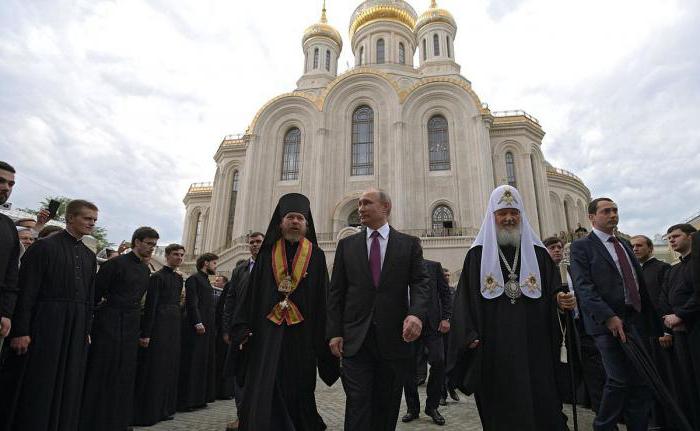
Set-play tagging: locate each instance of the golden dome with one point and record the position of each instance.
(435, 14)
(323, 29)
(389, 10)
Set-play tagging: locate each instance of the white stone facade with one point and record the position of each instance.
(403, 99)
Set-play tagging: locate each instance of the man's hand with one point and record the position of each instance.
(5, 326)
(671, 321)
(88, 339)
(444, 326)
(566, 301)
(199, 327)
(20, 344)
(144, 342)
(474, 344)
(42, 217)
(122, 247)
(336, 345)
(615, 326)
(412, 327)
(666, 341)
(227, 339)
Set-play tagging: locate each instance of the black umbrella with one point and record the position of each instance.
(638, 355)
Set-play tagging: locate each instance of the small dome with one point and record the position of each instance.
(389, 10)
(435, 14)
(323, 29)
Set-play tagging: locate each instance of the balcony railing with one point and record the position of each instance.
(515, 113)
(200, 187)
(563, 172)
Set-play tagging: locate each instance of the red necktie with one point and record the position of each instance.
(627, 275)
(375, 258)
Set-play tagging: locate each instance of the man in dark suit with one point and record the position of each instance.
(377, 273)
(615, 305)
(437, 323)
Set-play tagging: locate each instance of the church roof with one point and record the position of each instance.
(435, 14)
(323, 29)
(388, 10)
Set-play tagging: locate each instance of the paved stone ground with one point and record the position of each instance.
(331, 402)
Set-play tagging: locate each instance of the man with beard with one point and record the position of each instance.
(681, 313)
(281, 322)
(503, 346)
(198, 368)
(159, 356)
(108, 400)
(9, 254)
(50, 329)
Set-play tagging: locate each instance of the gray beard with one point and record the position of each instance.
(508, 237)
(293, 237)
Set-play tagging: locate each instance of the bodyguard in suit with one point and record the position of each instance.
(370, 318)
(615, 305)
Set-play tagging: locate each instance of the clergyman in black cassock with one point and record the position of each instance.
(224, 383)
(284, 309)
(108, 400)
(159, 355)
(9, 262)
(197, 385)
(53, 315)
(502, 344)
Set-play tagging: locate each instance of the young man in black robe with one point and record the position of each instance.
(49, 339)
(9, 254)
(224, 383)
(198, 368)
(281, 320)
(159, 356)
(681, 313)
(502, 346)
(108, 400)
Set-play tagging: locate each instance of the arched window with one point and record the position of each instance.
(449, 53)
(306, 61)
(510, 169)
(316, 58)
(425, 50)
(354, 219)
(402, 53)
(232, 208)
(380, 51)
(438, 143)
(290, 154)
(436, 45)
(328, 60)
(197, 240)
(361, 57)
(362, 141)
(443, 220)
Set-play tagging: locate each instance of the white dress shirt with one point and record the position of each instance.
(383, 239)
(611, 249)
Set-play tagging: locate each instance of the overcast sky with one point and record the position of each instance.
(125, 102)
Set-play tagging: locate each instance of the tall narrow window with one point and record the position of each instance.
(306, 61)
(363, 141)
(436, 45)
(232, 208)
(290, 154)
(438, 143)
(197, 240)
(328, 60)
(443, 220)
(425, 50)
(402, 53)
(316, 58)
(449, 51)
(510, 169)
(380, 51)
(361, 57)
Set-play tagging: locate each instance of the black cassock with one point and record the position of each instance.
(280, 378)
(198, 367)
(512, 372)
(159, 363)
(108, 400)
(42, 389)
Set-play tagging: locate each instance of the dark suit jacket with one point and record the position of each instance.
(440, 305)
(233, 293)
(654, 274)
(354, 303)
(600, 287)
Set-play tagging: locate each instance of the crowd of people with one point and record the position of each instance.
(109, 343)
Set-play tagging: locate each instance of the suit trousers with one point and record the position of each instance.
(372, 387)
(625, 392)
(432, 342)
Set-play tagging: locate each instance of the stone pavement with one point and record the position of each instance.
(331, 402)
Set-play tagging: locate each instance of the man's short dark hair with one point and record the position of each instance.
(593, 206)
(256, 234)
(552, 240)
(173, 247)
(686, 228)
(142, 233)
(646, 239)
(48, 230)
(206, 257)
(75, 206)
(7, 167)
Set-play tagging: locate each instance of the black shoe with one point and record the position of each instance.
(443, 401)
(410, 416)
(435, 415)
(453, 394)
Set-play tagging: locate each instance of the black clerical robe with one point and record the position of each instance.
(224, 383)
(198, 367)
(512, 372)
(54, 308)
(281, 374)
(9, 261)
(108, 399)
(159, 363)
